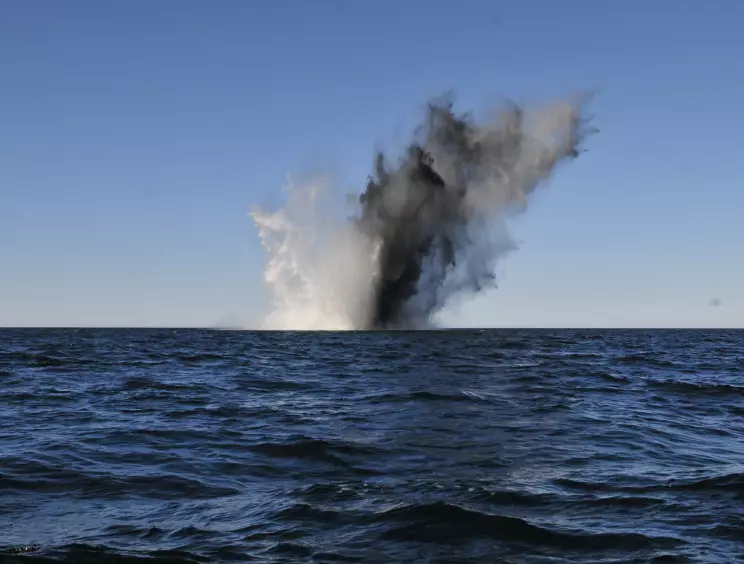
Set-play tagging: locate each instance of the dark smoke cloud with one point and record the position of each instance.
(429, 229)
(431, 212)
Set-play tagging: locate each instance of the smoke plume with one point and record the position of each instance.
(426, 230)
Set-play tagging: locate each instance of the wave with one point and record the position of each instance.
(92, 554)
(704, 388)
(728, 483)
(436, 521)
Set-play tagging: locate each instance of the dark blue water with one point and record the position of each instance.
(471, 446)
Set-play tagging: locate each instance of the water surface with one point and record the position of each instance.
(446, 446)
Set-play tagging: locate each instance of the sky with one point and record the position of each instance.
(136, 136)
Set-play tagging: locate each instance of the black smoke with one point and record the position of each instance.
(429, 213)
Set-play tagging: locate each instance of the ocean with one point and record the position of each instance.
(523, 446)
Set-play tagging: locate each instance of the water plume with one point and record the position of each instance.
(426, 230)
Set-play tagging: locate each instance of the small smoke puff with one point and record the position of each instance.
(715, 302)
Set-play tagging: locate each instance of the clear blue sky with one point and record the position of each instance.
(135, 136)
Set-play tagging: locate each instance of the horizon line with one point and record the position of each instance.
(473, 328)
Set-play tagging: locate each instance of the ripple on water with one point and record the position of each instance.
(442, 446)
